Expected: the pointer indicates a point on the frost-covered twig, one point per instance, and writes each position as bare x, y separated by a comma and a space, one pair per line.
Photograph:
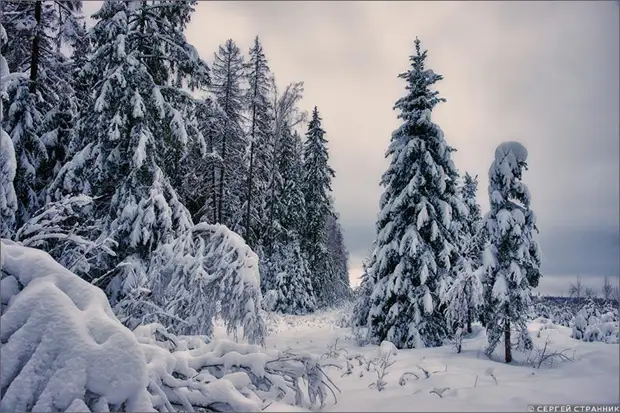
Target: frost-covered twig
403, 379
544, 357
490, 372
439, 391
333, 351
427, 374
382, 364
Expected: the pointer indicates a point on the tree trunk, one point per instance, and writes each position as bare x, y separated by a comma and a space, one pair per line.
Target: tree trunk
224, 165
251, 171
213, 190
212, 197
469, 320
507, 346
222, 173
34, 61
249, 198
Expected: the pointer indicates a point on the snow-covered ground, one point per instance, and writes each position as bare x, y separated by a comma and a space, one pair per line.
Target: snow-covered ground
64, 350
468, 380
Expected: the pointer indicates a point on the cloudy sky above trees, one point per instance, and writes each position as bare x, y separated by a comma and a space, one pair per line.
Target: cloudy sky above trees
546, 74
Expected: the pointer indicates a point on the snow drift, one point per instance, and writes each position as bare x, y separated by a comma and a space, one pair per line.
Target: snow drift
64, 350
62, 346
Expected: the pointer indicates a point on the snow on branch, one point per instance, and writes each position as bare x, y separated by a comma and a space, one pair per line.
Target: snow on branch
67, 230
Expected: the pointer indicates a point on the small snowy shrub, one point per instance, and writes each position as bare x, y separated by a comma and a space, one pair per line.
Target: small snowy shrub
382, 363
269, 300
591, 324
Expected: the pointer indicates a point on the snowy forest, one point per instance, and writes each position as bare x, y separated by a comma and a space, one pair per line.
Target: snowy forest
164, 216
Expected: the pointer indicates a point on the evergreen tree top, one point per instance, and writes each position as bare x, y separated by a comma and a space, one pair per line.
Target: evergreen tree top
315, 129
419, 80
470, 186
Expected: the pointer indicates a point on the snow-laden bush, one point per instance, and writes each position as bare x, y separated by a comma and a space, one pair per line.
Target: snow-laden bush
206, 272
591, 324
270, 299
64, 350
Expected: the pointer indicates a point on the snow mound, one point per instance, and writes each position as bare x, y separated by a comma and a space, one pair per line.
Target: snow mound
61, 343
387, 349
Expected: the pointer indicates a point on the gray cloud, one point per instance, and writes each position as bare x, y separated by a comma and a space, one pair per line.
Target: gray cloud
543, 73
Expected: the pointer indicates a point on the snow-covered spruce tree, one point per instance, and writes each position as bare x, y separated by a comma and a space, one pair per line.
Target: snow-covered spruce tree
317, 187
472, 237
260, 145
362, 304
339, 259
228, 76
194, 175
32, 118
285, 199
177, 69
119, 163
417, 229
287, 269
292, 283
462, 301
8, 163
286, 116
512, 257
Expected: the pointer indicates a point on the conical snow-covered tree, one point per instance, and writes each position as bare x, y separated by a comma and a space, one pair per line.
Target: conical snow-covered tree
471, 245
417, 229
119, 163
317, 187
362, 304
283, 202
8, 163
260, 145
292, 283
228, 76
339, 284
463, 300
472, 222
512, 257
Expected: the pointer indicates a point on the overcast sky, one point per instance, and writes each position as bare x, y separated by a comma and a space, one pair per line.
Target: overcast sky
542, 73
